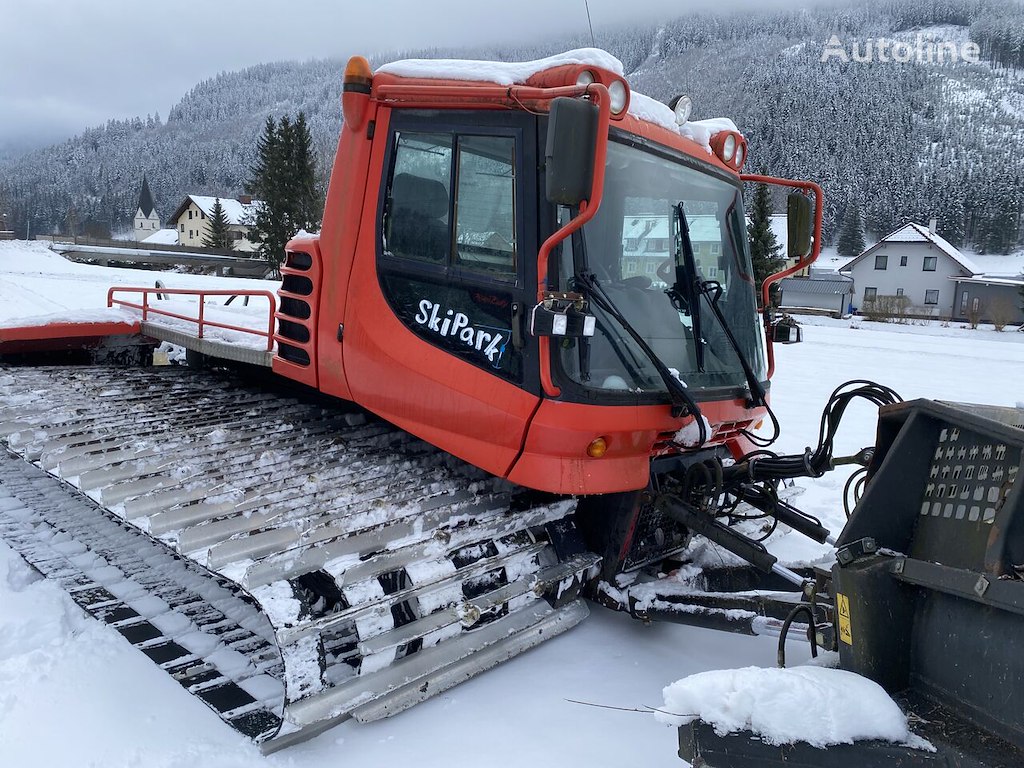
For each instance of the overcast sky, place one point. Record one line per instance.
(66, 65)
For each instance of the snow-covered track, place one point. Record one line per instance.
(289, 563)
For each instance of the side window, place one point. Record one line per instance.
(449, 246)
(416, 224)
(417, 221)
(485, 218)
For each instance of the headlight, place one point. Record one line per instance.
(729, 147)
(619, 96)
(739, 156)
(586, 77)
(681, 106)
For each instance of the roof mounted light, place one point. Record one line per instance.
(585, 77)
(355, 91)
(729, 147)
(358, 75)
(618, 93)
(681, 105)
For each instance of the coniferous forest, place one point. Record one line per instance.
(913, 140)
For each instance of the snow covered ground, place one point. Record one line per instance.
(75, 694)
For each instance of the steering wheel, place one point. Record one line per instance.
(636, 281)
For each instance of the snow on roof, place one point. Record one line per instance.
(236, 211)
(653, 111)
(809, 704)
(162, 237)
(918, 233)
(991, 280)
(516, 72)
(500, 72)
(702, 228)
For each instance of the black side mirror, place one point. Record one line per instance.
(798, 224)
(569, 154)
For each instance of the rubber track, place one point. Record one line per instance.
(303, 552)
(104, 554)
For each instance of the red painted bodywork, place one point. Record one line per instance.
(536, 441)
(60, 336)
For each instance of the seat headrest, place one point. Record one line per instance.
(426, 196)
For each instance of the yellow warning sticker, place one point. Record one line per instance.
(845, 629)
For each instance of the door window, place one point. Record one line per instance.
(419, 205)
(449, 243)
(485, 205)
(417, 221)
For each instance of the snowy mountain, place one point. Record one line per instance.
(910, 140)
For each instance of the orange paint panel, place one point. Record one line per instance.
(70, 330)
(555, 454)
(354, 185)
(450, 403)
(62, 336)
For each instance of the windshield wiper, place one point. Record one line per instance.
(685, 295)
(682, 403)
(685, 291)
(712, 292)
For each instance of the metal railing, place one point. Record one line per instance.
(201, 320)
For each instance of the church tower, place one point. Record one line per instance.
(147, 221)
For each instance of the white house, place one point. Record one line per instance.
(912, 262)
(192, 220)
(147, 220)
(646, 244)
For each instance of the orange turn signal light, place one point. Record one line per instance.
(597, 448)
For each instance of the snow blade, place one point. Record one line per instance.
(289, 564)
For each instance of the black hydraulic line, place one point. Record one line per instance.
(710, 528)
(811, 632)
(814, 463)
(785, 513)
(853, 488)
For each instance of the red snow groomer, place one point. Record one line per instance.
(533, 312)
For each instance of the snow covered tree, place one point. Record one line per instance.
(851, 239)
(218, 235)
(308, 204)
(764, 249)
(283, 179)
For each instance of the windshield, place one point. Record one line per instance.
(632, 247)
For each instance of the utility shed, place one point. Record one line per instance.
(990, 299)
(833, 294)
